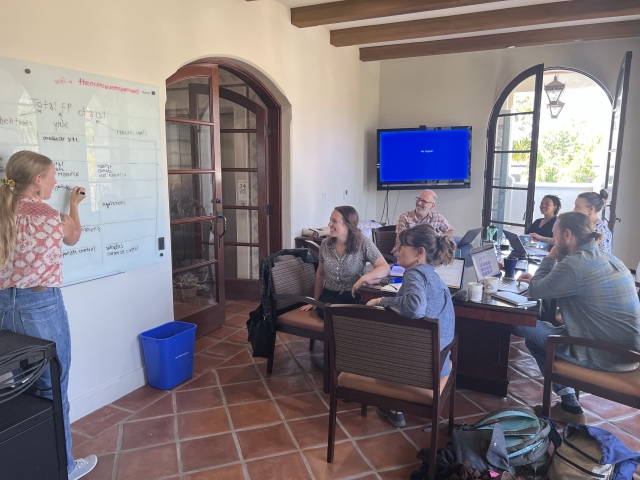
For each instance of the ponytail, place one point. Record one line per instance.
(439, 249)
(8, 207)
(22, 168)
(595, 200)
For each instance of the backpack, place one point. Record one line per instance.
(507, 439)
(261, 327)
(579, 456)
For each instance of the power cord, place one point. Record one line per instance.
(20, 382)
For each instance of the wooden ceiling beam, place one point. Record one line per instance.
(351, 10)
(545, 36)
(488, 20)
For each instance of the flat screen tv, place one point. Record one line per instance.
(415, 158)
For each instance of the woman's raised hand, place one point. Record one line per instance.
(77, 195)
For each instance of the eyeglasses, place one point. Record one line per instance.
(423, 202)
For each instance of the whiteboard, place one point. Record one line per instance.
(102, 134)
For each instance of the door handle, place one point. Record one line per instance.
(224, 227)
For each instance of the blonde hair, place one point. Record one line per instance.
(23, 167)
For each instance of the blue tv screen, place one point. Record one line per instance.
(416, 158)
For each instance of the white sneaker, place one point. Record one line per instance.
(83, 466)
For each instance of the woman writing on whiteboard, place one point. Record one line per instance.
(31, 240)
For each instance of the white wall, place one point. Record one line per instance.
(461, 89)
(331, 107)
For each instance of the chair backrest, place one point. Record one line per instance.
(384, 238)
(378, 343)
(292, 276)
(313, 247)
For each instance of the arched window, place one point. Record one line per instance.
(538, 145)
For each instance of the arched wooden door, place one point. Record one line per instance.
(223, 156)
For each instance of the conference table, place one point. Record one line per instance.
(484, 338)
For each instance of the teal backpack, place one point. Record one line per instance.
(503, 440)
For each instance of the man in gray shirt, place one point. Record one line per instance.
(596, 294)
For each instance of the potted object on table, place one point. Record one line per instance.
(186, 286)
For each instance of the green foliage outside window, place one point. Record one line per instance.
(564, 155)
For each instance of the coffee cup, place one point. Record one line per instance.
(510, 267)
(491, 284)
(475, 291)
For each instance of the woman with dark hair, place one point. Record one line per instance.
(542, 229)
(423, 293)
(591, 203)
(343, 257)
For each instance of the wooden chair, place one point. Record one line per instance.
(385, 239)
(633, 272)
(619, 387)
(292, 284)
(313, 247)
(388, 361)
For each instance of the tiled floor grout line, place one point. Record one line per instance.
(176, 433)
(116, 459)
(233, 432)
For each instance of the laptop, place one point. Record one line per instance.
(519, 248)
(469, 237)
(452, 274)
(485, 263)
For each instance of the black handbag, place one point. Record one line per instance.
(261, 323)
(261, 333)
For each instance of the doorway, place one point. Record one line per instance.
(224, 188)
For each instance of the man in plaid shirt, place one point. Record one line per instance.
(596, 294)
(423, 215)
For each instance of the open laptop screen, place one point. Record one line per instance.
(451, 275)
(485, 261)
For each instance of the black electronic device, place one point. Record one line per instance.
(32, 441)
(416, 158)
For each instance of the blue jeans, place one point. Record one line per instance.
(535, 338)
(42, 315)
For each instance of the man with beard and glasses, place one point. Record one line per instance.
(423, 215)
(596, 293)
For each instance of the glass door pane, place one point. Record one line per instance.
(512, 144)
(188, 146)
(191, 196)
(189, 98)
(616, 138)
(192, 244)
(241, 139)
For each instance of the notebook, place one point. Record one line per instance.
(515, 299)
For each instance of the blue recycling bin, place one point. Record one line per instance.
(168, 352)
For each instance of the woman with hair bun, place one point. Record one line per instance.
(591, 204)
(542, 229)
(423, 293)
(31, 238)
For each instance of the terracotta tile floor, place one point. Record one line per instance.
(233, 421)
